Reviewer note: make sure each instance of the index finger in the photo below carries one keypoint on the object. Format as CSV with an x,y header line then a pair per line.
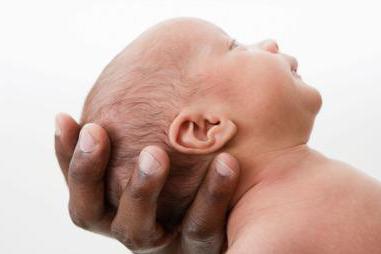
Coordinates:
x,y
86,179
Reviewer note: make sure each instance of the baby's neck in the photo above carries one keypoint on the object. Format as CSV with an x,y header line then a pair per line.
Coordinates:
x,y
266,171
259,169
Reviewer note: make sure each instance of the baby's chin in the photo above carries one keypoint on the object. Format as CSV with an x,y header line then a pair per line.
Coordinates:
x,y
310,96
313,99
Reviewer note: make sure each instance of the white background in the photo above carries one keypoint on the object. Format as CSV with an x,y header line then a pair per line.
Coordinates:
x,y
52,51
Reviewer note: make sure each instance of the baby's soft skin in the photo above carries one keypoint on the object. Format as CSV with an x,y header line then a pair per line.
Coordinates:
x,y
249,101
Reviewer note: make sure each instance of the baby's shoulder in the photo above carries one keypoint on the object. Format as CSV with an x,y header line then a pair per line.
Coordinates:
x,y
300,215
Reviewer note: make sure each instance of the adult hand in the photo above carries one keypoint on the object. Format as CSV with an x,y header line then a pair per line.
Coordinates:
x,y
134,223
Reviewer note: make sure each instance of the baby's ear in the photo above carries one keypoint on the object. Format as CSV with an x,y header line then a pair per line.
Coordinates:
x,y
194,132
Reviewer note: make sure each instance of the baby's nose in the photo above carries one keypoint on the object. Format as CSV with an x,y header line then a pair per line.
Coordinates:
x,y
269,45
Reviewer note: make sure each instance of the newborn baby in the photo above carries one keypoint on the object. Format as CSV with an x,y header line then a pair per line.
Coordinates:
x,y
188,87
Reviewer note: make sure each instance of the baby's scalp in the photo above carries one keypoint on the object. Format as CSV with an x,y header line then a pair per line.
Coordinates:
x,y
135,99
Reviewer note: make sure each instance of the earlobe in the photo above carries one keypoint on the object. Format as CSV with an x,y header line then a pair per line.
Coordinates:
x,y
197,133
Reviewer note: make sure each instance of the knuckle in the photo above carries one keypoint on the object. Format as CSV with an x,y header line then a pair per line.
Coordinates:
x,y
216,194
197,230
77,174
139,240
121,233
84,170
140,192
78,220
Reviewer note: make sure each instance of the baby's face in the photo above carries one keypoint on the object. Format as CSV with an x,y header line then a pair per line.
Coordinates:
x,y
255,86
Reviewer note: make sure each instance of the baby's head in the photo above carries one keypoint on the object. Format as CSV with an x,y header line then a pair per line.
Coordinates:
x,y
189,88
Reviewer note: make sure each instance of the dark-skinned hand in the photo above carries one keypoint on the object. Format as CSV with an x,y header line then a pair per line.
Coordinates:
x,y
83,155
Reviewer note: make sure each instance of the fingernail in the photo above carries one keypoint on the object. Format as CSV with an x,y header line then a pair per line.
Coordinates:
x,y
147,163
223,169
87,142
57,127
